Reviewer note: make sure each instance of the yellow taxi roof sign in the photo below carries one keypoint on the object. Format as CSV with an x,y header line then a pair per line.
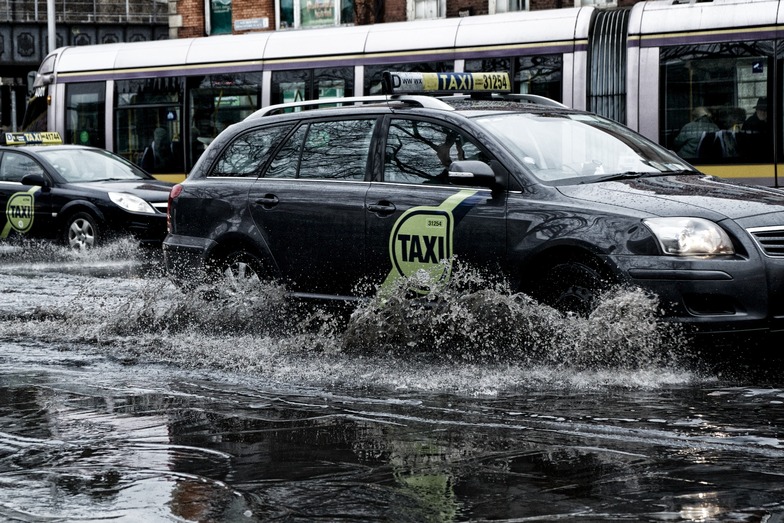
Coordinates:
x,y
43,138
445,83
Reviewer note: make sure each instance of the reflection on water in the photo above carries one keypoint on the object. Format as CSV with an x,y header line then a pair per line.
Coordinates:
x,y
123,398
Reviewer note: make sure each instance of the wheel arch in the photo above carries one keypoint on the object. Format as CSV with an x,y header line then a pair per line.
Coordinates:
x,y
539,263
235,242
76,206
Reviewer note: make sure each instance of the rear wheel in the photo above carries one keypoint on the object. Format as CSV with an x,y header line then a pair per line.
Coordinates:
x,y
81,231
240,272
573,286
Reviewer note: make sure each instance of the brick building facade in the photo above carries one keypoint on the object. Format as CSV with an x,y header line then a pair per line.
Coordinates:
x,y
190,17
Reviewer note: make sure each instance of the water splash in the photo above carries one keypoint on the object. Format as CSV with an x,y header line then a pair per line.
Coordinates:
x,y
472,334
473,318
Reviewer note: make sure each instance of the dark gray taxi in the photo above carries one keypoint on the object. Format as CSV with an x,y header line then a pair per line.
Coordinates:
x,y
338,202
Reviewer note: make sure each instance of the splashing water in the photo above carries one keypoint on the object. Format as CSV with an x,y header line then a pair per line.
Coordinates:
x,y
472,333
473,318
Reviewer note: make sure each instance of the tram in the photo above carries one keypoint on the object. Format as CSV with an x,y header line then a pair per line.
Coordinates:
x,y
691,75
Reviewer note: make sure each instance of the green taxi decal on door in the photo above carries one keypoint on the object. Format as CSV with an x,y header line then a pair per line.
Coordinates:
x,y
20,212
421,238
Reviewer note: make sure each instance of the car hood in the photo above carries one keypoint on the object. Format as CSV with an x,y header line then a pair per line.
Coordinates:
x,y
679,195
150,190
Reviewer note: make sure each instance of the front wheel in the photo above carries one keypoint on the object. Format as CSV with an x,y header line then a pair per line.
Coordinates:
x,y
81,231
573,287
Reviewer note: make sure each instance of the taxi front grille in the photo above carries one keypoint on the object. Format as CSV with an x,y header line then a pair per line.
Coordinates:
x,y
770,240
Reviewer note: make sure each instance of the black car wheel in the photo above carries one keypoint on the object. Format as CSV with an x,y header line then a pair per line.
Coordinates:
x,y
573,286
81,231
241,272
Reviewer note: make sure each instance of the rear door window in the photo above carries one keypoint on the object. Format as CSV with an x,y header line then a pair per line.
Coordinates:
x,y
335,149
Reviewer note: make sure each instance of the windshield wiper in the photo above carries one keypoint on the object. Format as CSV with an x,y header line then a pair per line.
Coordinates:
x,y
616,176
630,175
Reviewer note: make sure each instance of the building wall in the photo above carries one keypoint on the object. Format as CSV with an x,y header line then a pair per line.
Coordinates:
x,y
192,13
366,11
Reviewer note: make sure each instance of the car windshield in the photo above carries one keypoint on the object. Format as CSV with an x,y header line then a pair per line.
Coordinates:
x,y
91,165
579,147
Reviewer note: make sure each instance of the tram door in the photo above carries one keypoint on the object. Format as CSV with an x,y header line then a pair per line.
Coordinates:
x,y
148,130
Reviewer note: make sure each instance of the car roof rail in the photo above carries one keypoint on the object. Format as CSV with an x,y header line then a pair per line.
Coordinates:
x,y
535,99
421,101
524,98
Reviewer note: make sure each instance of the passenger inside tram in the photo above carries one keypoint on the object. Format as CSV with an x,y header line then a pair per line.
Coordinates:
x,y
756,142
687,143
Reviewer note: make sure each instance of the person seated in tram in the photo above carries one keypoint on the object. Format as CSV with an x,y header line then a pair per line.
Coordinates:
x,y
158,156
687,143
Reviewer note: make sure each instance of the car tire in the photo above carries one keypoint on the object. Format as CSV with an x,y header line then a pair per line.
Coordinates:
x,y
573,286
240,272
81,231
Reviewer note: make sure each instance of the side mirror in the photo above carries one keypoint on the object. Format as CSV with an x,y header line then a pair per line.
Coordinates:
x,y
35,179
472,173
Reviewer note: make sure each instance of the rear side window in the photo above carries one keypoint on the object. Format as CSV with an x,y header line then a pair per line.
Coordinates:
x,y
335,150
248,153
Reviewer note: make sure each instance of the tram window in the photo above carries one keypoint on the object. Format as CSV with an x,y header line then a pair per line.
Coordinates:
x,y
373,73
215,102
312,84
148,128
539,74
715,100
35,115
85,115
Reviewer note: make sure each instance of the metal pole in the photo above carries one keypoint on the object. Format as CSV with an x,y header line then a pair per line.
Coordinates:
x,y
50,14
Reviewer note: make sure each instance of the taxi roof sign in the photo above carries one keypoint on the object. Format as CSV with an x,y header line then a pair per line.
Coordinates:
x,y
44,138
445,83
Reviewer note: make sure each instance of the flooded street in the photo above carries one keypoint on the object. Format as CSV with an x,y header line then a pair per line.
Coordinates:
x,y
124,398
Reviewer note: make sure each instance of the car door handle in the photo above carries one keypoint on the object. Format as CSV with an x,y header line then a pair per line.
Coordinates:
x,y
268,201
382,208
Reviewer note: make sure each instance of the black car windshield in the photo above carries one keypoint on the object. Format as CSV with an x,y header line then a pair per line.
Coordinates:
x,y
579,147
91,165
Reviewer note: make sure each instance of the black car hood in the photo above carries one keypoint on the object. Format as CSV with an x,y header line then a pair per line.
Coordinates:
x,y
678,195
149,190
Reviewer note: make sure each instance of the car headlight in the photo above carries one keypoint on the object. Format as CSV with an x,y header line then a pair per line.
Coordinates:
x,y
690,236
132,203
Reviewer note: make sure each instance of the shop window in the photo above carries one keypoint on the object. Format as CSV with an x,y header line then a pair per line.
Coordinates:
x,y
314,13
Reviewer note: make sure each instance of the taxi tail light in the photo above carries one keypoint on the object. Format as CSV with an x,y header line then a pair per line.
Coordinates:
x,y
174,193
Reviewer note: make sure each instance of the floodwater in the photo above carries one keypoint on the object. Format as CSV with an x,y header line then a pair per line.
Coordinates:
x,y
124,399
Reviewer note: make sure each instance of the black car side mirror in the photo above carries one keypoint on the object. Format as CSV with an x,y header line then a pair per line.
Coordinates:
x,y
35,179
472,173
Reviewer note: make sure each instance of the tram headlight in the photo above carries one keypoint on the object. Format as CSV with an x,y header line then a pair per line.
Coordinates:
x,y
690,236
131,203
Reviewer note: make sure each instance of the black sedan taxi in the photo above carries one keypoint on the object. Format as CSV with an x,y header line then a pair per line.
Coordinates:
x,y
80,195
562,203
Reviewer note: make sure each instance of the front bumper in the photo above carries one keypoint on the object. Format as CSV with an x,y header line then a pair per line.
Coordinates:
x,y
738,294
